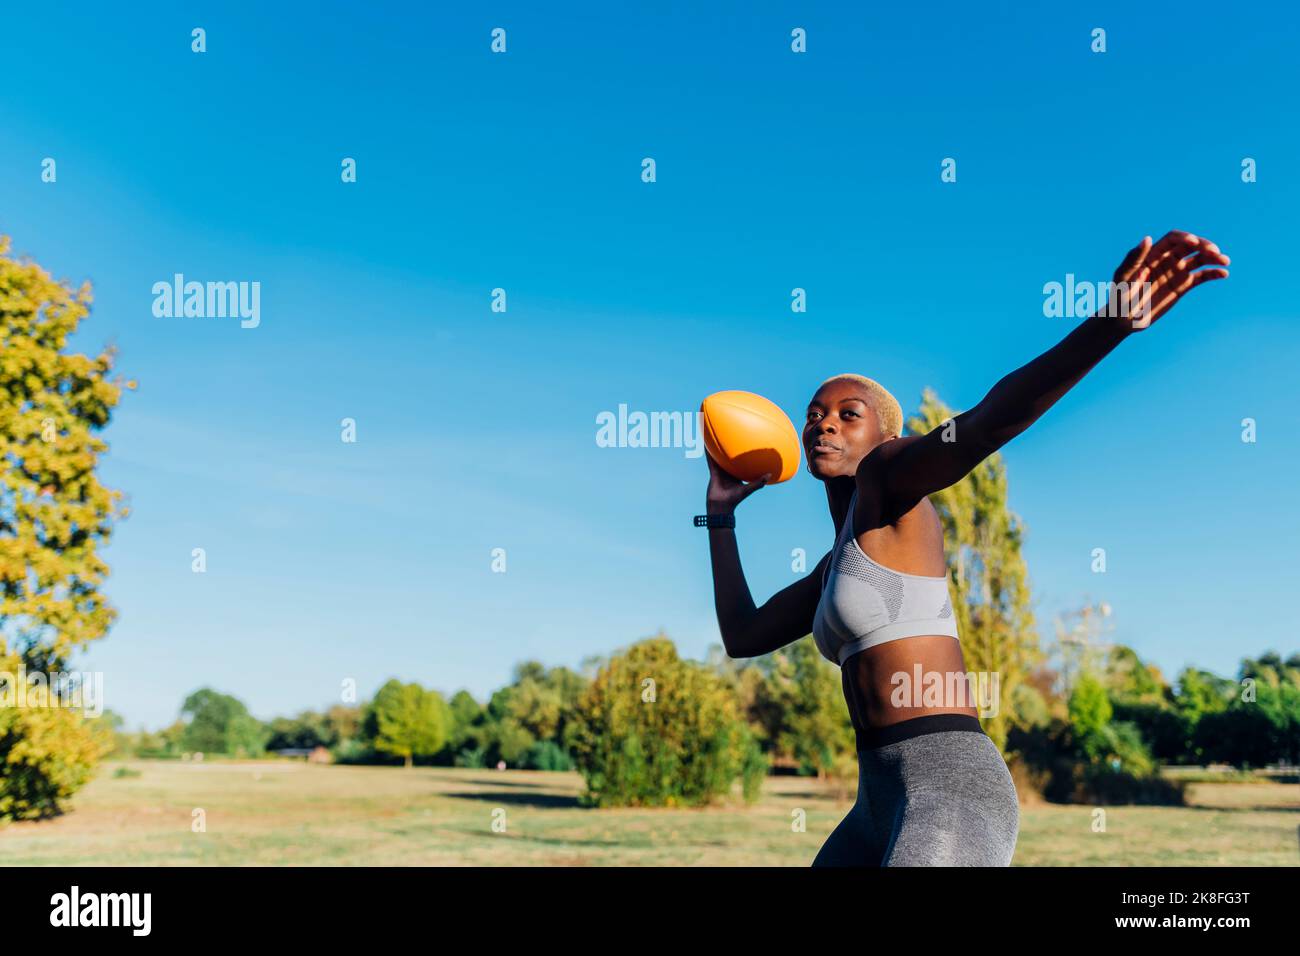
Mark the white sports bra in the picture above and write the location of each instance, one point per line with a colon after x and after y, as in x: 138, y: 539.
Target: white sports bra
x: 864, y: 603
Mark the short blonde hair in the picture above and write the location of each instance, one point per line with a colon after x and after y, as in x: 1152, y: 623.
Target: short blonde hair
x: 888, y: 412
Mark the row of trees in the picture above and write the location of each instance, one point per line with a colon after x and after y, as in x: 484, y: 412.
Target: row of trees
x: 523, y: 725
x: 646, y: 727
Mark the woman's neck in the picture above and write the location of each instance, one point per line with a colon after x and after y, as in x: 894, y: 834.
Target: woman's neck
x: 839, y: 493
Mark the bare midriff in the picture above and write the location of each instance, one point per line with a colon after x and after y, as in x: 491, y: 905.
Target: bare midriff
x: 878, y: 698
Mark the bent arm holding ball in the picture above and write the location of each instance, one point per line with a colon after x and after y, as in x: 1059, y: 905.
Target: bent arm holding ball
x: 1150, y: 280
x: 747, y: 630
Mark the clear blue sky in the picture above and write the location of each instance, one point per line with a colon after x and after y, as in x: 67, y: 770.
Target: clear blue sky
x: 477, y: 429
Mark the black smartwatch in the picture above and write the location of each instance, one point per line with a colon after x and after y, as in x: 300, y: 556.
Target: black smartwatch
x: 715, y: 521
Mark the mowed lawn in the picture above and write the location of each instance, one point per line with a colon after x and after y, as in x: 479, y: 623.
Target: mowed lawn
x: 278, y: 813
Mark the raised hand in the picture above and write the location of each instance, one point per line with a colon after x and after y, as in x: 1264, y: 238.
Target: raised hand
x: 725, y: 492
x: 1156, y: 276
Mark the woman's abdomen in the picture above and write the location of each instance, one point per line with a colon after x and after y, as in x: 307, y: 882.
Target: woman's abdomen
x: 908, y: 678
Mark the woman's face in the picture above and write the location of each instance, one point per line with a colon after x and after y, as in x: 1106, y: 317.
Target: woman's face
x: 840, y: 430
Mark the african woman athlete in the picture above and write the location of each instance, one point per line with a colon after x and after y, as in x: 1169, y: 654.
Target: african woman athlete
x: 933, y: 789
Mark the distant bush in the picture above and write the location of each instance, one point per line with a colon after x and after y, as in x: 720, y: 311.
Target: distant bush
x: 1166, y: 730
x: 474, y: 757
x: 753, y: 770
x: 655, y: 730
x: 1253, y: 733
x: 1103, y: 784
x: 547, y: 755
x: 353, y: 751
x: 1054, y: 761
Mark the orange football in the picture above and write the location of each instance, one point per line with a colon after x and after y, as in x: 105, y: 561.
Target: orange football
x: 748, y: 436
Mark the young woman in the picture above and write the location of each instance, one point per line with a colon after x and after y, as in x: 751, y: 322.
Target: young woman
x: 932, y: 787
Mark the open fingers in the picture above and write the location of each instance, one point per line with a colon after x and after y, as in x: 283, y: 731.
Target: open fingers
x: 1207, y: 256
x: 1160, y: 297
x: 1169, y: 243
x: 1190, y: 280
x: 1207, y: 246
x: 1174, y: 272
x: 1177, y: 260
x: 1164, y: 257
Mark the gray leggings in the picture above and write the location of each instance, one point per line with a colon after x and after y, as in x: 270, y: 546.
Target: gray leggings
x: 936, y: 797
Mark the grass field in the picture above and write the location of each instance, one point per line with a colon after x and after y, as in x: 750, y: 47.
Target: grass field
x: 275, y: 813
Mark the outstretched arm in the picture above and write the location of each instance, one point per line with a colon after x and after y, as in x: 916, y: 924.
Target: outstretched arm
x: 1147, y: 284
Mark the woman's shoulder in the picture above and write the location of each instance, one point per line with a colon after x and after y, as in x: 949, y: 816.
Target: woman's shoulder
x: 868, y: 515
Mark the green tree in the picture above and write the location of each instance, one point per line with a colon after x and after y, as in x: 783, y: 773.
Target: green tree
x: 1260, y: 726
x: 469, y: 735
x: 1166, y: 730
x: 217, y: 723
x: 983, y: 539
x: 171, y: 738
x: 655, y: 730
x: 55, y: 517
x: 307, y: 730
x: 509, y: 740
x: 1140, y: 697
x: 794, y: 700
x: 528, y: 718
x: 54, y: 513
x: 1200, y: 693
x: 343, y: 724
x: 1090, y: 714
x: 1270, y: 669
x: 407, y: 721
x: 466, y: 714
x: 1129, y: 680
